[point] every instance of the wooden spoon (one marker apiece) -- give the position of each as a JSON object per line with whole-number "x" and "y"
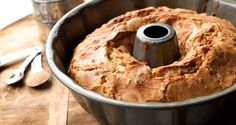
{"x": 38, "y": 75}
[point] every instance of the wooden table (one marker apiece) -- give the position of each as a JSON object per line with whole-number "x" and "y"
{"x": 50, "y": 103}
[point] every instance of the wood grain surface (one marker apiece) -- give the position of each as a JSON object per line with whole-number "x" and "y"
{"x": 50, "y": 103}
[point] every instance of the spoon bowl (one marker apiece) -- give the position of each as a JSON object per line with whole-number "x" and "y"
{"x": 38, "y": 75}
{"x": 17, "y": 76}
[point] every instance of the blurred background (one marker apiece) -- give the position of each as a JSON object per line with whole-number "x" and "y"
{"x": 12, "y": 10}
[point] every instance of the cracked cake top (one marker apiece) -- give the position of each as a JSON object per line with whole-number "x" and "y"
{"x": 103, "y": 61}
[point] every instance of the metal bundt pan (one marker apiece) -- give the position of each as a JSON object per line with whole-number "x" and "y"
{"x": 82, "y": 20}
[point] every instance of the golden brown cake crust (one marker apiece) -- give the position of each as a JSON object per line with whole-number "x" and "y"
{"x": 103, "y": 63}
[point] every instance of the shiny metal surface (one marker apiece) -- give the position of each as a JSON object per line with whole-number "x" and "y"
{"x": 82, "y": 20}
{"x": 19, "y": 73}
{"x": 48, "y": 12}
{"x": 156, "y": 44}
{"x": 8, "y": 59}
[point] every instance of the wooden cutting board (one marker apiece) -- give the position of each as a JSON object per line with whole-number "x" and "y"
{"x": 50, "y": 103}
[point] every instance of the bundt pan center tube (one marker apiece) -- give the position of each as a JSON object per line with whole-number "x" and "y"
{"x": 156, "y": 44}
{"x": 84, "y": 19}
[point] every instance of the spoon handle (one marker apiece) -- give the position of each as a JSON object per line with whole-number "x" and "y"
{"x": 4, "y": 60}
{"x": 36, "y": 65}
{"x": 27, "y": 61}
